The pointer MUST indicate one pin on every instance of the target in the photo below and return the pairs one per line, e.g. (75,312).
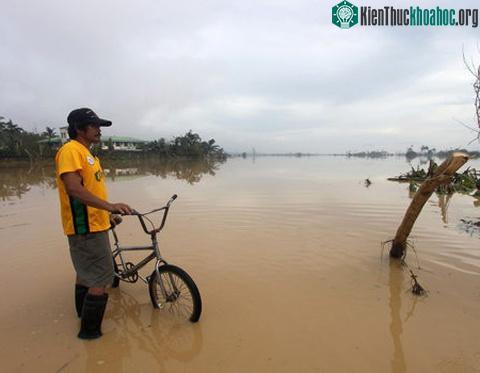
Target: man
(85,217)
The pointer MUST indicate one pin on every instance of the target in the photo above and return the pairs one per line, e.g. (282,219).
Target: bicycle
(169,286)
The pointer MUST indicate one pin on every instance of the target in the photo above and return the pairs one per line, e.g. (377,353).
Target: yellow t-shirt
(78,218)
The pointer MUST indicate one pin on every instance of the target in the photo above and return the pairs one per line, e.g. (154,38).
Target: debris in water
(470,226)
(417,289)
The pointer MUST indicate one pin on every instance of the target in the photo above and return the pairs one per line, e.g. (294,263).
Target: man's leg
(92,258)
(80,293)
(96,290)
(92,313)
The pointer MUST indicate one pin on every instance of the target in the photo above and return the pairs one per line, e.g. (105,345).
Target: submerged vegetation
(466,182)
(470,226)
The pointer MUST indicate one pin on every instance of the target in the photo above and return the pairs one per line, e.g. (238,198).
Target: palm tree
(49,134)
(11,137)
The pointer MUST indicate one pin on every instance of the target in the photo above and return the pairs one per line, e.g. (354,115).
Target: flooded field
(287,255)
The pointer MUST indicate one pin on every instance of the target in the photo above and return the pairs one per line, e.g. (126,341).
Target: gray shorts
(92,258)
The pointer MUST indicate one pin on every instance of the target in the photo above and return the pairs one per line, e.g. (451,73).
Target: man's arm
(74,188)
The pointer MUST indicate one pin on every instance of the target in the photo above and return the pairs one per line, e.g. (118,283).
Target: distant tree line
(423,152)
(370,154)
(15,142)
(189,145)
(18,143)
(428,152)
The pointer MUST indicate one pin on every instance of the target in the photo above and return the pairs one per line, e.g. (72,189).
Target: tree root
(416,288)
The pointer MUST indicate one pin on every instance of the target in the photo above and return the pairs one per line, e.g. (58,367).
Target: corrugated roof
(122,139)
(52,140)
(105,139)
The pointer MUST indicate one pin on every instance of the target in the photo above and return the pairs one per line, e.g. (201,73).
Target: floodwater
(287,255)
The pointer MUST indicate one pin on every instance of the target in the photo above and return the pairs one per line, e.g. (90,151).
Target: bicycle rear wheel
(175,292)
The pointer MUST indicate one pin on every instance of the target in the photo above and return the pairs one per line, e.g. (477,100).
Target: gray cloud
(274,75)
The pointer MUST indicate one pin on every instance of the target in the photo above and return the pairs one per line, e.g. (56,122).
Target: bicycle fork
(173,295)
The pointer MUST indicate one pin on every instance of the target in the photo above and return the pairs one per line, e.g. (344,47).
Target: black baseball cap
(86,116)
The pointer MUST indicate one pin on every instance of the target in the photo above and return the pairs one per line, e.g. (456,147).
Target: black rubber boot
(80,292)
(92,316)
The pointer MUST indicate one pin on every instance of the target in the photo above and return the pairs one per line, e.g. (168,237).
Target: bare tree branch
(467,126)
(475,71)
(472,70)
(475,139)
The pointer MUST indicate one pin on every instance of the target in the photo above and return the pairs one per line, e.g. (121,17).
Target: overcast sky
(275,75)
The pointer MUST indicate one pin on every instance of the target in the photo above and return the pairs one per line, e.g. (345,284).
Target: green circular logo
(344,15)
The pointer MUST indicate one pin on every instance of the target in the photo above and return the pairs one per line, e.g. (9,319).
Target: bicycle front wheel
(175,292)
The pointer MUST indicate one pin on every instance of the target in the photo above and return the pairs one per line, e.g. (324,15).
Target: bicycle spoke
(172,290)
(177,299)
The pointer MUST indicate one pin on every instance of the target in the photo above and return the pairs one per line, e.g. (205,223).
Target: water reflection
(140,328)
(396,328)
(190,170)
(15,182)
(443,203)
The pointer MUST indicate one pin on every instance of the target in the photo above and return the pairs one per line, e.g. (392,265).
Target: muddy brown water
(286,253)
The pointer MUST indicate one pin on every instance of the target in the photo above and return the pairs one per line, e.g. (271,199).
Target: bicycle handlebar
(165,208)
(173,198)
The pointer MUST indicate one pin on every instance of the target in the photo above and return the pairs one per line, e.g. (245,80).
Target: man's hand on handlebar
(121,208)
(115,220)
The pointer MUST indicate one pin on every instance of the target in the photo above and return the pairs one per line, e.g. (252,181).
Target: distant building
(116,142)
(121,143)
(52,143)
(63,134)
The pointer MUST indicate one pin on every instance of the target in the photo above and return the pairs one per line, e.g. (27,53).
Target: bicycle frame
(169,286)
(117,252)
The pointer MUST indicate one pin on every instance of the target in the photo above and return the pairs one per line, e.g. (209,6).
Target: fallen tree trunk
(442,175)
